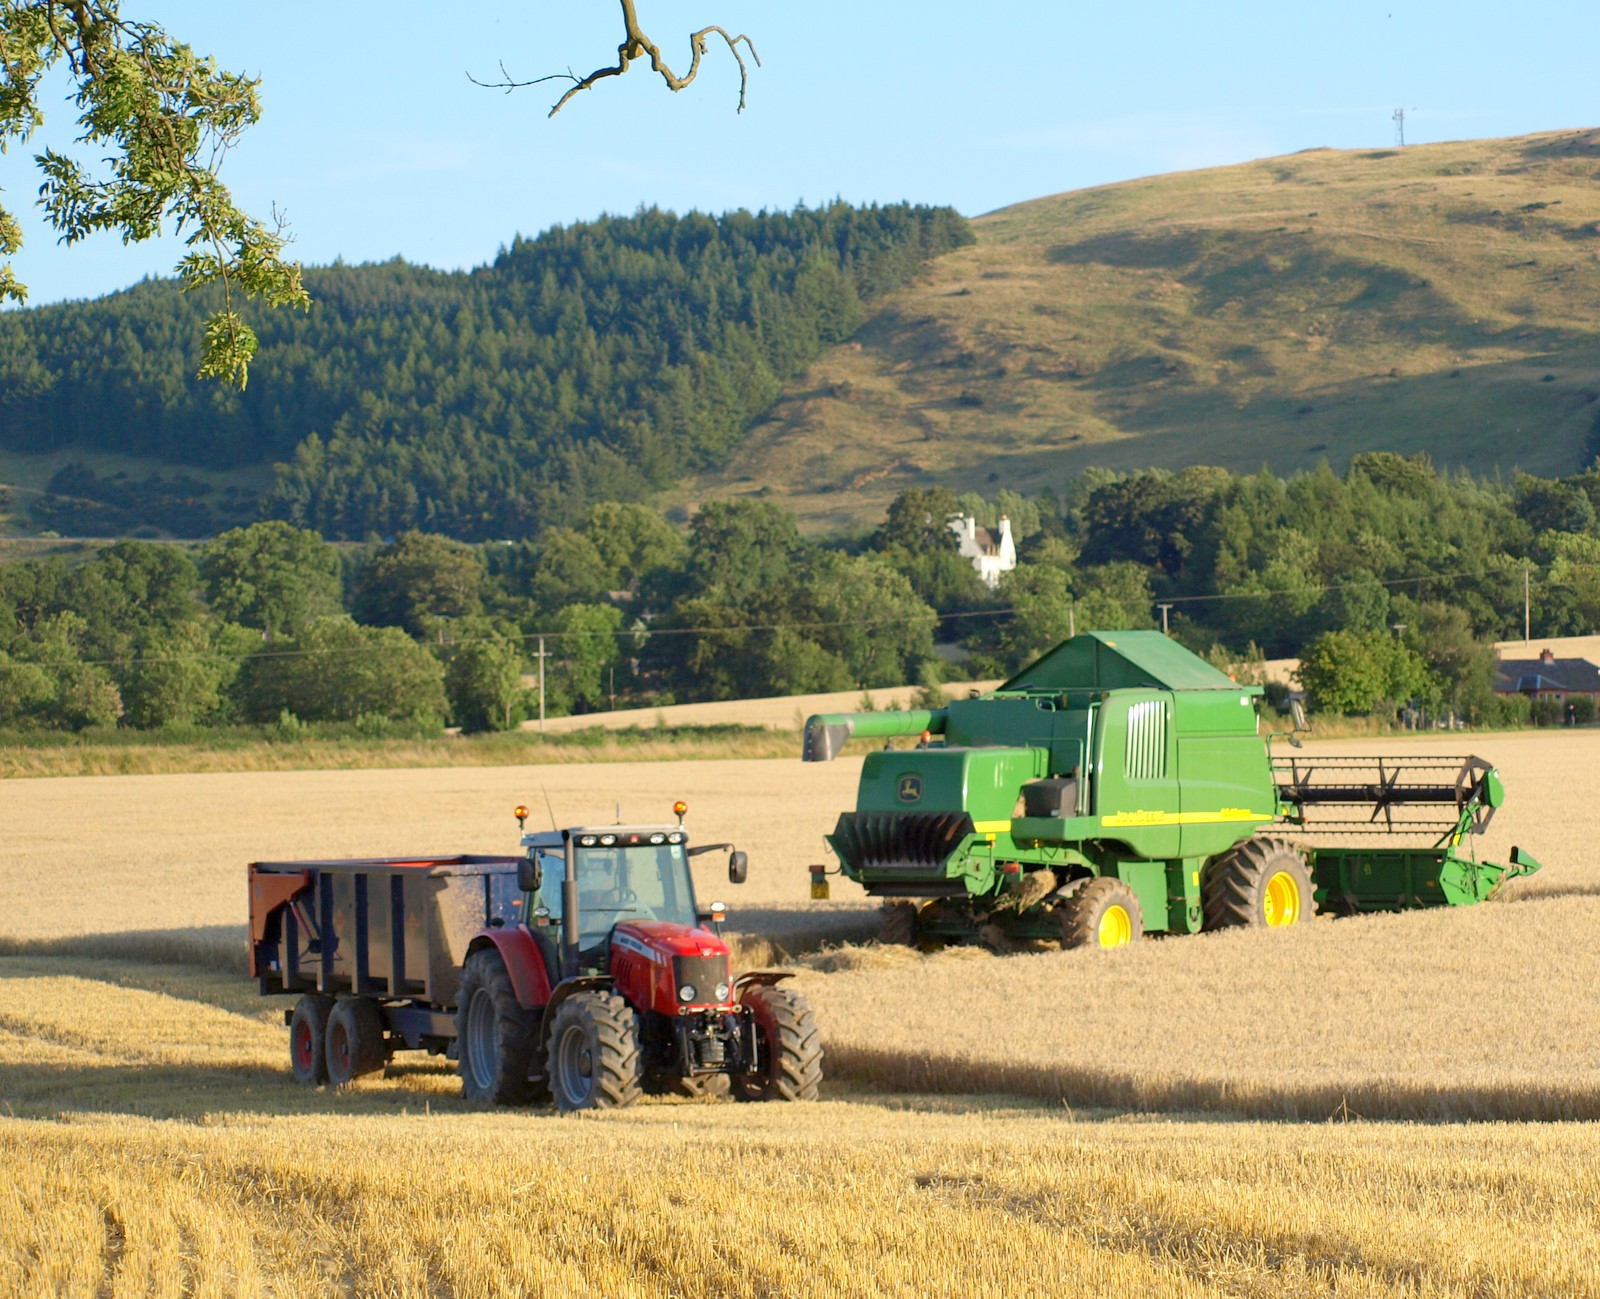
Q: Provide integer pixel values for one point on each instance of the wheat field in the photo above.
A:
(1393, 1105)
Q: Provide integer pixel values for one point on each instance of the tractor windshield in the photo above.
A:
(638, 882)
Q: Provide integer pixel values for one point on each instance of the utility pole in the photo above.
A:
(541, 683)
(1527, 620)
(1164, 608)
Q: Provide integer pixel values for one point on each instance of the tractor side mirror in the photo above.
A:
(529, 876)
(1298, 712)
(738, 867)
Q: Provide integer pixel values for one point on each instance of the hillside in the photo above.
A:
(594, 362)
(1442, 298)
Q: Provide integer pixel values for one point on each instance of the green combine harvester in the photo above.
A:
(1119, 785)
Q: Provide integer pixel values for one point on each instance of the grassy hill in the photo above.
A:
(1442, 298)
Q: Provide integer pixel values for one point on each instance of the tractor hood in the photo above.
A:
(671, 968)
(661, 940)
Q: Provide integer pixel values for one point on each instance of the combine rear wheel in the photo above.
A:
(308, 1039)
(496, 1038)
(791, 1048)
(593, 1052)
(355, 1045)
(1101, 912)
(1258, 882)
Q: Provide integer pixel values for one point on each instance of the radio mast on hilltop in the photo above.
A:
(1400, 127)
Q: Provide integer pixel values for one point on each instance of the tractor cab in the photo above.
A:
(624, 874)
(596, 896)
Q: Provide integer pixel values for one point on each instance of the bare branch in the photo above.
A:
(637, 45)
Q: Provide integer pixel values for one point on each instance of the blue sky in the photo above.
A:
(376, 144)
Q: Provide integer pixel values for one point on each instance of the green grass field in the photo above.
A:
(1442, 298)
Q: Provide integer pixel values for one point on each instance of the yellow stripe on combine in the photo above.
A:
(1184, 818)
(991, 827)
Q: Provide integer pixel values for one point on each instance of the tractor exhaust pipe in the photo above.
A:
(569, 911)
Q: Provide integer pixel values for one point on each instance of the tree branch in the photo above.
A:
(636, 45)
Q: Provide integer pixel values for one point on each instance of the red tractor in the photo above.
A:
(583, 971)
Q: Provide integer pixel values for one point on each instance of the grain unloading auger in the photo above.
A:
(1121, 784)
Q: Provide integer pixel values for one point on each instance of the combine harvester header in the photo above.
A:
(1121, 784)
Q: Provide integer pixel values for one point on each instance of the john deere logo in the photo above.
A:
(910, 789)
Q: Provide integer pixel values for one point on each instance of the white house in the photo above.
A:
(991, 553)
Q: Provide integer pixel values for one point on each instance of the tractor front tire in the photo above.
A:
(1102, 912)
(1260, 882)
(593, 1053)
(308, 1039)
(790, 1044)
(898, 927)
(496, 1036)
(355, 1045)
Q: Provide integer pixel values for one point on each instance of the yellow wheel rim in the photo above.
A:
(1116, 928)
(1282, 900)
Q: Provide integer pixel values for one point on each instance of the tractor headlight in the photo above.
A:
(722, 992)
(687, 992)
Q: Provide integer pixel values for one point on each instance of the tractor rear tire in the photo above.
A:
(355, 1045)
(792, 1047)
(593, 1052)
(308, 1039)
(496, 1036)
(898, 927)
(1260, 882)
(1102, 912)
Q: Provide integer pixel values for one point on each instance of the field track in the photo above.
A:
(1066, 1123)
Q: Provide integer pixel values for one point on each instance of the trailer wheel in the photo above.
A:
(308, 1039)
(898, 927)
(355, 1046)
(1258, 882)
(790, 1043)
(594, 1057)
(496, 1036)
(1102, 912)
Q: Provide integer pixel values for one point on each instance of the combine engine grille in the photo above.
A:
(902, 851)
(1408, 796)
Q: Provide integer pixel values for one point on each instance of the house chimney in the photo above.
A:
(1546, 656)
(1005, 526)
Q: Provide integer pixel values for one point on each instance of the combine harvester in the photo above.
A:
(1121, 784)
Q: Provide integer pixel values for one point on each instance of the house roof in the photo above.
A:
(1529, 676)
(1108, 660)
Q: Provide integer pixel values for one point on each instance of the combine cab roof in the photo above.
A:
(1111, 660)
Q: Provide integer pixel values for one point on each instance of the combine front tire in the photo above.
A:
(594, 1053)
(1258, 882)
(898, 928)
(1101, 912)
(308, 1039)
(495, 1036)
(355, 1045)
(791, 1048)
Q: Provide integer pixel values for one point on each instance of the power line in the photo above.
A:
(647, 633)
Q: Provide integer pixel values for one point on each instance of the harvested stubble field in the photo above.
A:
(1030, 1123)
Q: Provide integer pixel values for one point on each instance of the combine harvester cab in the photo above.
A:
(1118, 785)
(583, 971)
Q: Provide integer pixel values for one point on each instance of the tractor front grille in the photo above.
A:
(911, 845)
(703, 974)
